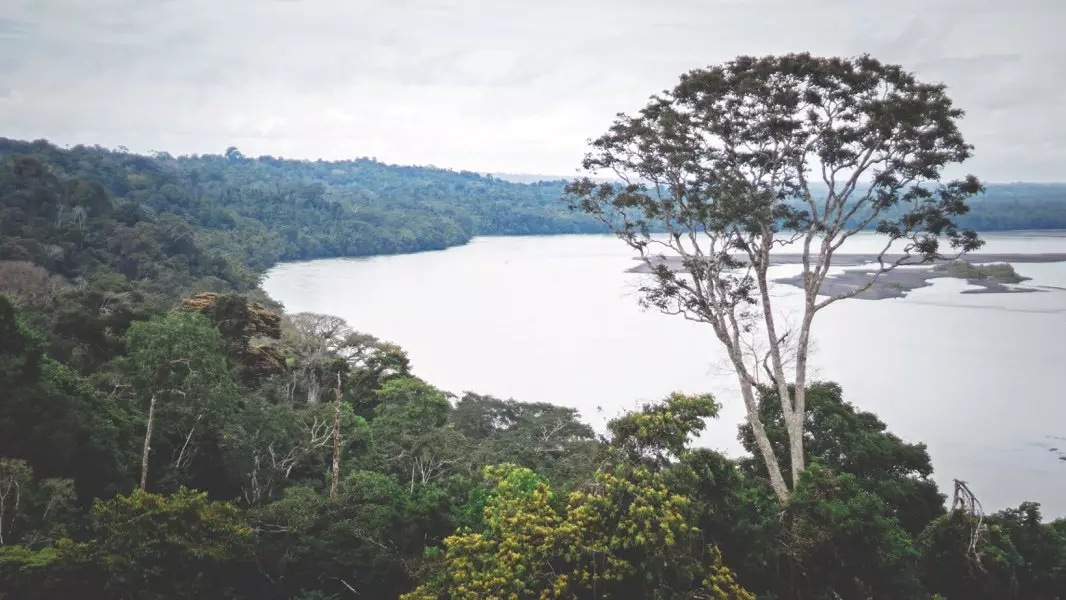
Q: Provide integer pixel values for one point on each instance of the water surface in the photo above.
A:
(979, 378)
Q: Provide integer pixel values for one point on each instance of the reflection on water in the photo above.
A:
(979, 378)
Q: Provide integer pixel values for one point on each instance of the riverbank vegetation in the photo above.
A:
(998, 272)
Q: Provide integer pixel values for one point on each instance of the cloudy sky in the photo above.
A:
(489, 85)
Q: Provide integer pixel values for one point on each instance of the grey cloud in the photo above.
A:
(10, 28)
(489, 85)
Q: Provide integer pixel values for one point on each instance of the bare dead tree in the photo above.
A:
(336, 440)
(185, 455)
(29, 285)
(965, 501)
(316, 338)
(430, 467)
(741, 160)
(147, 442)
(13, 475)
(271, 464)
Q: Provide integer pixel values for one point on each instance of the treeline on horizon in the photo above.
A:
(129, 295)
(265, 210)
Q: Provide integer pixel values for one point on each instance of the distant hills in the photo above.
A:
(255, 212)
(263, 210)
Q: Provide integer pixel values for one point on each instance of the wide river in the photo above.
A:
(980, 378)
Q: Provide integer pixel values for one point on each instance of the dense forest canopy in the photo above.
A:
(166, 431)
(266, 209)
(263, 210)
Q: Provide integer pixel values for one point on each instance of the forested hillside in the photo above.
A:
(267, 209)
(258, 211)
(1018, 206)
(167, 432)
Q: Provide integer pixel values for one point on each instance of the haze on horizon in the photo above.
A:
(489, 85)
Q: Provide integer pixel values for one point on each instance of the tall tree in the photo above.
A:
(177, 367)
(742, 160)
(336, 470)
(412, 433)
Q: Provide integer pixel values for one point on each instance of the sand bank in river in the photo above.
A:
(897, 283)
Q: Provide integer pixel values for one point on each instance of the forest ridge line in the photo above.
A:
(264, 210)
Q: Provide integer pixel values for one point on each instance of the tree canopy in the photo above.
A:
(742, 159)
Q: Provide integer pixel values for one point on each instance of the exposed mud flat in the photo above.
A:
(897, 283)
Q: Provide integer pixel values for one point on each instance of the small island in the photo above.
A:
(993, 274)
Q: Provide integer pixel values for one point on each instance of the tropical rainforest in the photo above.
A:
(168, 431)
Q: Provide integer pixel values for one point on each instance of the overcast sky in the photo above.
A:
(489, 85)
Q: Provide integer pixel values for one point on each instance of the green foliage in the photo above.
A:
(268, 446)
(842, 542)
(22, 571)
(54, 418)
(1010, 554)
(548, 439)
(412, 433)
(375, 521)
(845, 440)
(625, 536)
(178, 363)
(259, 211)
(738, 514)
(659, 432)
(33, 512)
(1002, 273)
(152, 545)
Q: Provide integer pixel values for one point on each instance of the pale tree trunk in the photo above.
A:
(313, 387)
(728, 330)
(181, 455)
(147, 443)
(791, 411)
(792, 405)
(762, 441)
(336, 440)
(799, 400)
(13, 486)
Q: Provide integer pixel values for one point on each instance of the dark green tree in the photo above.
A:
(846, 440)
(841, 541)
(158, 546)
(1010, 554)
(551, 440)
(53, 418)
(175, 372)
(368, 541)
(412, 433)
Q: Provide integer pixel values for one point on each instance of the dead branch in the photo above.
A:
(964, 500)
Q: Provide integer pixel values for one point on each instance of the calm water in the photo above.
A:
(979, 378)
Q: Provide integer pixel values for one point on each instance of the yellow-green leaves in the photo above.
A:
(623, 531)
(659, 431)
